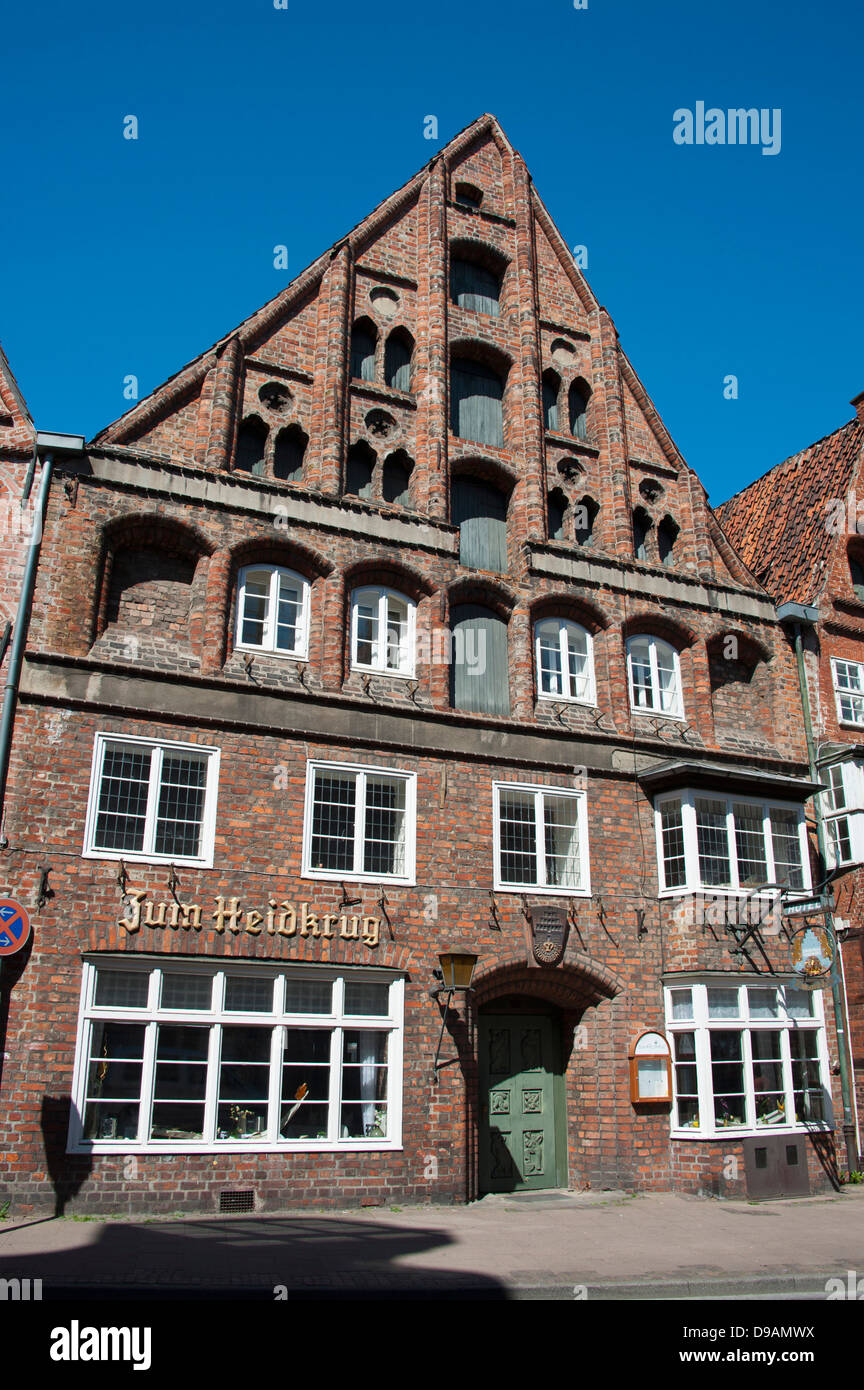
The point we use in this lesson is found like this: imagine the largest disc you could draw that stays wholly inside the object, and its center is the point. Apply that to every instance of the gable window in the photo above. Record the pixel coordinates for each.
(363, 340)
(746, 1058)
(584, 516)
(184, 1057)
(577, 400)
(479, 673)
(667, 535)
(565, 666)
(706, 841)
(151, 801)
(398, 353)
(289, 453)
(843, 812)
(359, 470)
(551, 388)
(556, 515)
(396, 478)
(272, 611)
(480, 512)
(642, 524)
(856, 574)
(251, 447)
(474, 287)
(359, 823)
(849, 690)
(477, 402)
(541, 839)
(382, 631)
(654, 677)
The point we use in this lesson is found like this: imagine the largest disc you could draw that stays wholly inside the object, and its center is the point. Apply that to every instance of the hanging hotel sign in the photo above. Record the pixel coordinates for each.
(280, 919)
(548, 931)
(803, 907)
(812, 950)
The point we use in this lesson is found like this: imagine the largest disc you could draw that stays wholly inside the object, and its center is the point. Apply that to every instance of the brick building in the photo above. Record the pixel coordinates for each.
(393, 623)
(800, 527)
(17, 467)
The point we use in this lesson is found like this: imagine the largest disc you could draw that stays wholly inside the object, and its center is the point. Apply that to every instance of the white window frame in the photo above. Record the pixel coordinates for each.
(855, 697)
(693, 881)
(407, 665)
(565, 626)
(702, 1026)
(268, 644)
(849, 809)
(655, 710)
(101, 742)
(360, 771)
(539, 793)
(336, 1022)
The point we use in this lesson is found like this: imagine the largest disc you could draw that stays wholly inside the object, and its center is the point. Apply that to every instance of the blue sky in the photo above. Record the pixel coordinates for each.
(260, 127)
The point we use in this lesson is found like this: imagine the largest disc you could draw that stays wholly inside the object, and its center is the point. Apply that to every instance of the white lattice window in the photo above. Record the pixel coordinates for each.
(654, 676)
(849, 690)
(734, 844)
(565, 661)
(272, 611)
(541, 839)
(360, 823)
(382, 632)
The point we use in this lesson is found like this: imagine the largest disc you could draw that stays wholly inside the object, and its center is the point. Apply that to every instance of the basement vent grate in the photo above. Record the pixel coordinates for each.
(237, 1201)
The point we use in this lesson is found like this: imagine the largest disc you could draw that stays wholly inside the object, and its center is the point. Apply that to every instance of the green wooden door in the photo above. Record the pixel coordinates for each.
(519, 1088)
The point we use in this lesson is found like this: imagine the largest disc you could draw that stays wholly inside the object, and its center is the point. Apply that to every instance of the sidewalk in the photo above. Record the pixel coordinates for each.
(536, 1245)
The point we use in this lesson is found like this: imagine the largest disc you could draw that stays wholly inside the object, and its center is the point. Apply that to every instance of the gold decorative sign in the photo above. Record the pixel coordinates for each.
(280, 919)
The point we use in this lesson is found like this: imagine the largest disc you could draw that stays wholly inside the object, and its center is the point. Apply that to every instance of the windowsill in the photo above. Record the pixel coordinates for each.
(724, 891)
(545, 699)
(347, 876)
(132, 858)
(726, 1132)
(384, 675)
(656, 714)
(122, 1146)
(267, 651)
(547, 892)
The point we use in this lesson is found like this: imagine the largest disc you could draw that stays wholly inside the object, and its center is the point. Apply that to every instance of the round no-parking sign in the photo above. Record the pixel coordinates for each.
(14, 927)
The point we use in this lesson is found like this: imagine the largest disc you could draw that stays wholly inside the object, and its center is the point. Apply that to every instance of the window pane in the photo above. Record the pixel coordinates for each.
(126, 988)
(578, 663)
(364, 1085)
(518, 838)
(181, 806)
(255, 603)
(384, 843)
(367, 998)
(840, 839)
(641, 690)
(806, 1076)
(308, 997)
(114, 1081)
(713, 842)
(244, 1076)
(750, 844)
(668, 676)
(768, 1078)
(672, 832)
(243, 994)
(799, 1002)
(305, 1084)
(727, 1072)
(397, 635)
(686, 1081)
(561, 824)
(185, 991)
(180, 1082)
(723, 1003)
(764, 1003)
(682, 1004)
(549, 652)
(288, 613)
(787, 848)
(366, 629)
(849, 683)
(123, 799)
(333, 822)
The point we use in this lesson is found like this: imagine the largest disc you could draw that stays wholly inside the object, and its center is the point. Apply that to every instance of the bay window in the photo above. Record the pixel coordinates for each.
(565, 665)
(151, 801)
(746, 1058)
(359, 823)
(540, 839)
(272, 611)
(382, 632)
(654, 677)
(843, 811)
(707, 841)
(175, 1057)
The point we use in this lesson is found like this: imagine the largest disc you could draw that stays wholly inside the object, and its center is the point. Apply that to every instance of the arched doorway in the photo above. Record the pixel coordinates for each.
(529, 1022)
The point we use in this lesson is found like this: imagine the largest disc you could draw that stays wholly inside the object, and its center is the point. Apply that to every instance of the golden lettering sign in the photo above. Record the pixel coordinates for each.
(280, 919)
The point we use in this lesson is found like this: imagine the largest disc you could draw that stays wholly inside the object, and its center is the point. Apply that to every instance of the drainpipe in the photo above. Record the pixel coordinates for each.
(803, 613)
(48, 445)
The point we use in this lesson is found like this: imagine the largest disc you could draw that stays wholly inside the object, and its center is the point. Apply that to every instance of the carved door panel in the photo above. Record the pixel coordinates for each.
(518, 1062)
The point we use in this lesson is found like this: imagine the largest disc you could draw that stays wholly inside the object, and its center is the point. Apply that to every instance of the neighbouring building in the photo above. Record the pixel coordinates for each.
(800, 528)
(395, 623)
(17, 470)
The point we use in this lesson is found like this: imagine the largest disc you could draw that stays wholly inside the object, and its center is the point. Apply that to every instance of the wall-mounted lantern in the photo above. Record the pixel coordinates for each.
(456, 972)
(651, 1070)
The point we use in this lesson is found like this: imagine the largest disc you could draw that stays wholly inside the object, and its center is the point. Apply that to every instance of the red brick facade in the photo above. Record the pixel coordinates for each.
(134, 635)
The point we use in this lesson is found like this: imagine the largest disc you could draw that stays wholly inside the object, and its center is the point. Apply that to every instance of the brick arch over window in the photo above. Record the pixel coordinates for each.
(499, 597)
(150, 589)
(389, 574)
(477, 275)
(739, 672)
(650, 624)
(576, 609)
(262, 550)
